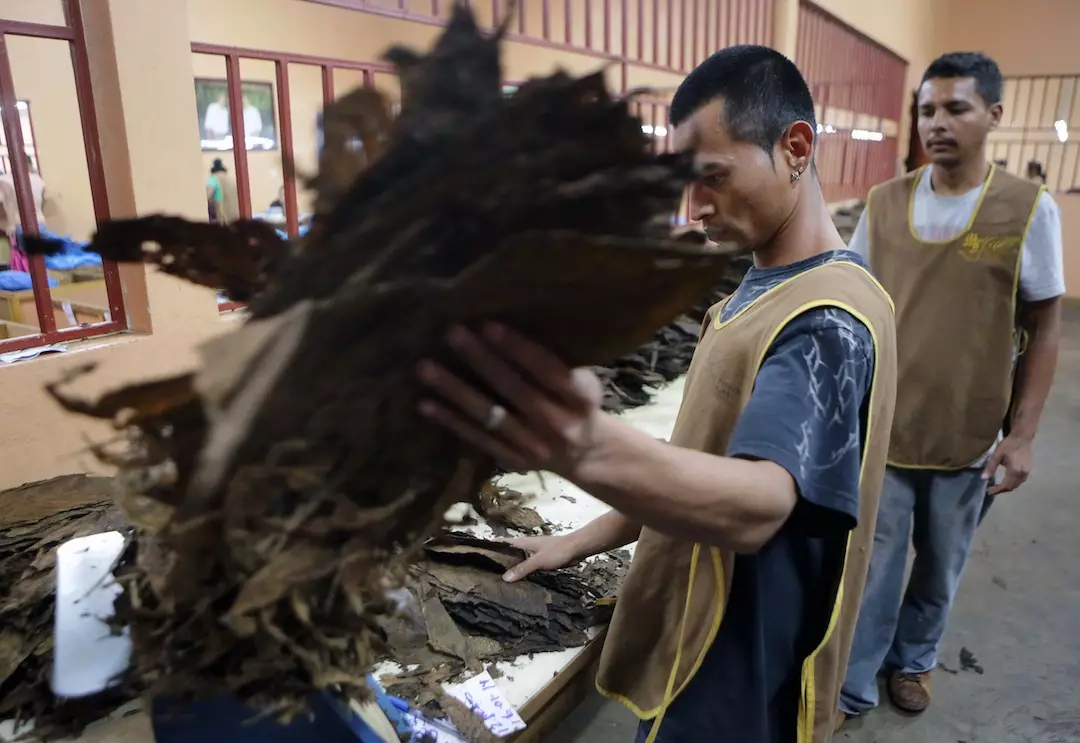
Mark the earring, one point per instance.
(796, 175)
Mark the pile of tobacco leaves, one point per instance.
(291, 484)
(468, 616)
(34, 520)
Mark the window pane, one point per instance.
(50, 12)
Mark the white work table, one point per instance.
(543, 687)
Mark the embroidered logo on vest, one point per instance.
(976, 247)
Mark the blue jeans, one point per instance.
(899, 631)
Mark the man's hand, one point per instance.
(1014, 454)
(544, 553)
(550, 409)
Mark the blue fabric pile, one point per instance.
(74, 255)
(17, 281)
(302, 231)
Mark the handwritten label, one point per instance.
(486, 700)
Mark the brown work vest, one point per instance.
(955, 319)
(672, 602)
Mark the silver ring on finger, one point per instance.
(496, 416)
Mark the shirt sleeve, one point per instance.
(807, 413)
(860, 238)
(1042, 273)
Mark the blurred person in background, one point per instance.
(215, 192)
(46, 210)
(1036, 172)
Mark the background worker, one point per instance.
(970, 255)
(1036, 172)
(215, 193)
(721, 631)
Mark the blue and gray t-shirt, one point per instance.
(807, 413)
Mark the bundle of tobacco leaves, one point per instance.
(468, 615)
(629, 381)
(293, 479)
(34, 520)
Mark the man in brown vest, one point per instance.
(972, 258)
(730, 625)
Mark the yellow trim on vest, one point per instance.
(719, 324)
(1021, 339)
(974, 212)
(658, 712)
(806, 710)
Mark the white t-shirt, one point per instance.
(216, 121)
(253, 123)
(938, 217)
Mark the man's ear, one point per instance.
(996, 112)
(798, 146)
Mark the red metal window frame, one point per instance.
(692, 29)
(232, 56)
(74, 33)
(847, 70)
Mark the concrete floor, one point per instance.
(1018, 612)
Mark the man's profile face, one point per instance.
(742, 198)
(954, 120)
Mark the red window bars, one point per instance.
(1041, 122)
(72, 32)
(858, 87)
(281, 60)
(669, 35)
(655, 115)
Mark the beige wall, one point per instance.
(1034, 37)
(145, 100)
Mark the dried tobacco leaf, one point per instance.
(503, 509)
(301, 484)
(35, 519)
(238, 258)
(470, 615)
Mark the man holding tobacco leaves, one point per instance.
(758, 516)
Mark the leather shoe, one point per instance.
(910, 691)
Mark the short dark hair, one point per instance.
(976, 65)
(764, 93)
(218, 166)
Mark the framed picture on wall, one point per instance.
(215, 125)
